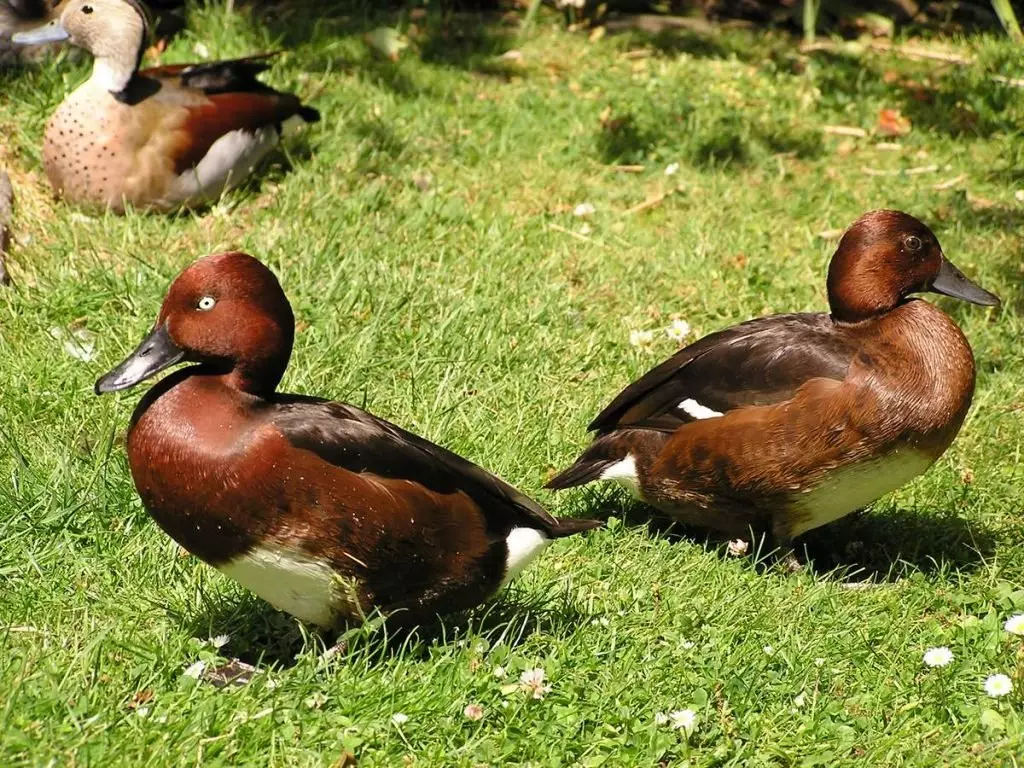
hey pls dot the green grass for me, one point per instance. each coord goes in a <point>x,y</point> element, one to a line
<point>467,313</point>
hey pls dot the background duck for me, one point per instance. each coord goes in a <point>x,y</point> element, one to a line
<point>157,138</point>
<point>792,421</point>
<point>322,509</point>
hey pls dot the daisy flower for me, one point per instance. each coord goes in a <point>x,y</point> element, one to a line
<point>998,685</point>
<point>642,339</point>
<point>678,330</point>
<point>683,720</point>
<point>1015,624</point>
<point>938,657</point>
<point>399,718</point>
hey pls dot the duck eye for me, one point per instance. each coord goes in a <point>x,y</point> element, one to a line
<point>913,243</point>
<point>86,9</point>
<point>206,303</point>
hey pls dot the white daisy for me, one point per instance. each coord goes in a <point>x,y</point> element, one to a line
<point>678,330</point>
<point>642,339</point>
<point>1015,624</point>
<point>672,169</point>
<point>399,718</point>
<point>584,209</point>
<point>938,657</point>
<point>220,641</point>
<point>683,719</point>
<point>998,685</point>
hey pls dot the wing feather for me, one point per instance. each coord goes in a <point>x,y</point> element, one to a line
<point>760,362</point>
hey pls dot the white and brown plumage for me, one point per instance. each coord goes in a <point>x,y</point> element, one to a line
<point>792,421</point>
<point>157,138</point>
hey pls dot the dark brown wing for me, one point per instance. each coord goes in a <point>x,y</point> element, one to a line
<point>759,362</point>
<point>235,100</point>
<point>217,76</point>
<point>353,439</point>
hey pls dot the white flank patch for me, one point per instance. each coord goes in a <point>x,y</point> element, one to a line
<point>289,580</point>
<point>523,544</point>
<point>851,488</point>
<point>228,161</point>
<point>691,407</point>
<point>624,473</point>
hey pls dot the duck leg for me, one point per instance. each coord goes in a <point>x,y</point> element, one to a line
<point>6,205</point>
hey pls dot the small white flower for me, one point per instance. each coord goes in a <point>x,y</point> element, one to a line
<point>672,169</point>
<point>532,683</point>
<point>142,711</point>
<point>399,718</point>
<point>819,662</point>
<point>799,701</point>
<point>200,50</point>
<point>660,718</point>
<point>271,684</point>
<point>473,712</point>
<point>998,685</point>
<point>678,330</point>
<point>195,671</point>
<point>1019,195</point>
<point>641,339</point>
<point>586,229</point>
<point>220,641</point>
<point>584,209</point>
<point>683,719</point>
<point>938,657</point>
<point>738,547</point>
<point>687,645</point>
<point>498,672</point>
<point>1015,624</point>
<point>768,650</point>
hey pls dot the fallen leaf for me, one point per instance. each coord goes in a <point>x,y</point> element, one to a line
<point>891,122</point>
<point>387,42</point>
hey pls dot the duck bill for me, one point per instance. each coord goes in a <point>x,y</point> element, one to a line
<point>51,32</point>
<point>156,352</point>
<point>951,282</point>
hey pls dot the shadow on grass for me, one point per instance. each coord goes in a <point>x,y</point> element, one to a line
<point>263,636</point>
<point>884,546</point>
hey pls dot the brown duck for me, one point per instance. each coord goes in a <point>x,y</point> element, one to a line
<point>157,138</point>
<point>790,422</point>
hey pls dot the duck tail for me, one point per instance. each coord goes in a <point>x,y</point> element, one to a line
<point>309,114</point>
<point>601,455</point>
<point>584,471</point>
<point>567,526</point>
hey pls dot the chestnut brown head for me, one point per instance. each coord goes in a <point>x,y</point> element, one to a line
<point>226,312</point>
<point>886,256</point>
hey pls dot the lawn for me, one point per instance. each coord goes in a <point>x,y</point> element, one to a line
<point>426,234</point>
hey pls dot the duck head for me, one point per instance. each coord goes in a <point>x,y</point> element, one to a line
<point>226,312</point>
<point>113,31</point>
<point>884,257</point>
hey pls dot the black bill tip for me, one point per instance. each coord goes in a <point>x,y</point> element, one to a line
<point>156,352</point>
<point>951,282</point>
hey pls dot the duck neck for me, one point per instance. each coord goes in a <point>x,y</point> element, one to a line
<point>113,73</point>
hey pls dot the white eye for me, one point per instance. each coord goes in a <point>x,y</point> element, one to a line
<point>206,303</point>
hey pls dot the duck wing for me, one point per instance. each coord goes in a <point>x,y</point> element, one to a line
<point>759,362</point>
<point>360,442</point>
